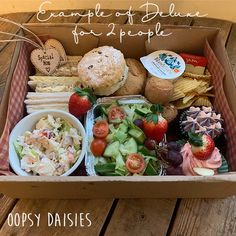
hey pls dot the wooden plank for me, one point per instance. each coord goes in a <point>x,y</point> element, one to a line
<point>141,217</point>
<point>10,28</point>
<point>59,19</point>
<point>112,18</point>
<point>206,217</point>
<point>6,205</point>
<point>224,25</point>
<point>231,49</point>
<point>97,209</point>
<point>163,20</point>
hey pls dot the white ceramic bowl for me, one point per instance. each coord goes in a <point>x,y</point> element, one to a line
<point>28,124</point>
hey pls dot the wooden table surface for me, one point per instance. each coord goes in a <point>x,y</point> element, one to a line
<point>121,216</point>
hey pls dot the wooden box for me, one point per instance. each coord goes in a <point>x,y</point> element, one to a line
<point>187,39</point>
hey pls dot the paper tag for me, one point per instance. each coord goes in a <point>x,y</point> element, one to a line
<point>46,61</point>
<point>53,43</point>
<point>164,64</point>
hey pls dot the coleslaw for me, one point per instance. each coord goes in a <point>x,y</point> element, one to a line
<point>50,149</point>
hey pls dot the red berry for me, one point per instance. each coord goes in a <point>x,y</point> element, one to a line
<point>202,146</point>
<point>80,102</point>
<point>150,144</point>
<point>155,130</point>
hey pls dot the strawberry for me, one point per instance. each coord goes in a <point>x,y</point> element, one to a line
<point>154,125</point>
<point>81,101</point>
<point>202,145</point>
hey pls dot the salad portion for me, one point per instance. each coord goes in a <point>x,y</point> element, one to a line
<point>125,139</point>
<point>50,149</point>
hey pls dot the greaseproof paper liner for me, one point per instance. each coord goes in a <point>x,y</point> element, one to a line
<point>222,106</point>
<point>15,111</point>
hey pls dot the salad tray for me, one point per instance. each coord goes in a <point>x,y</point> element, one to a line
<point>95,112</point>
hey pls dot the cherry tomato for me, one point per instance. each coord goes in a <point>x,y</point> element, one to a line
<point>98,146</point>
<point>135,163</point>
<point>116,114</point>
<point>101,129</point>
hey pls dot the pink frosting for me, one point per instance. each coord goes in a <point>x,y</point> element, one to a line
<point>190,162</point>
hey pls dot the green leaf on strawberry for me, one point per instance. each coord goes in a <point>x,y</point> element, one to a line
<point>86,92</point>
<point>157,108</point>
<point>154,125</point>
<point>195,139</point>
<point>152,118</point>
<point>202,146</point>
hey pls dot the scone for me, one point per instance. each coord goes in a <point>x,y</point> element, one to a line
<point>158,91</point>
<point>136,79</point>
<point>104,70</point>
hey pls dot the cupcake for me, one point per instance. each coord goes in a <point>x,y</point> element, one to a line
<point>201,120</point>
<point>224,168</point>
<point>190,162</point>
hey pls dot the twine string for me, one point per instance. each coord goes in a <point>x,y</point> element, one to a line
<point>24,28</point>
<point>22,38</point>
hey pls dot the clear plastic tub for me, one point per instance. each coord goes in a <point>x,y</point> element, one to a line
<point>94,113</point>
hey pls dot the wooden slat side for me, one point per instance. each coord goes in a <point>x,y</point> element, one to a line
<point>6,205</point>
<point>231,49</point>
<point>6,56</point>
<point>163,20</point>
<point>10,28</point>
<point>224,25</point>
<point>57,17</point>
<point>141,217</point>
<point>206,217</point>
<point>97,209</point>
<point>110,17</point>
<point>5,62</point>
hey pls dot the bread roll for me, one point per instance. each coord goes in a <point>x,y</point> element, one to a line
<point>170,112</point>
<point>103,69</point>
<point>136,79</point>
<point>158,91</point>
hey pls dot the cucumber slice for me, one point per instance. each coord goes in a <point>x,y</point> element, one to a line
<point>138,135</point>
<point>128,147</point>
<point>142,111</point>
<point>131,146</point>
<point>112,150</point>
